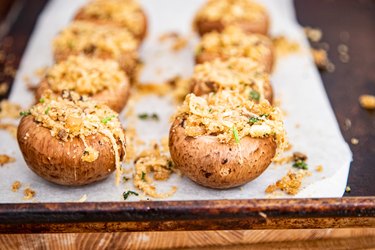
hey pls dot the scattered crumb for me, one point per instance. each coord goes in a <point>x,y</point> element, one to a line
<point>298,156</point>
<point>152,160</point>
<point>164,144</point>
<point>348,189</point>
<point>354,141</point>
<point>319,168</point>
<point>29,194</point>
<point>347,124</point>
<point>4,88</point>
<point>10,128</point>
<point>321,60</point>
<point>313,34</point>
<point>4,159</point>
<point>367,101</point>
<point>131,136</point>
<point>9,109</point>
<point>283,160</point>
<point>284,47</point>
<point>83,198</point>
<point>16,186</point>
<point>179,42</point>
<point>288,147</point>
<point>290,183</point>
<point>343,53</point>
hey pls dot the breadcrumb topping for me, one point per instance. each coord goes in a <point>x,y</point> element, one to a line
<point>367,101</point>
<point>4,159</point>
<point>28,194</point>
<point>72,115</point>
<point>103,41</point>
<point>86,76</point>
<point>233,42</point>
<point>229,116</point>
<point>16,186</point>
<point>284,46</point>
<point>242,74</point>
<point>124,13</point>
<point>153,160</point>
<point>231,11</point>
<point>290,183</point>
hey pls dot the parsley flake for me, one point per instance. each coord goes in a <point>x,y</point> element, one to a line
<point>235,134</point>
<point>107,119</point>
<point>126,194</point>
<point>254,95</point>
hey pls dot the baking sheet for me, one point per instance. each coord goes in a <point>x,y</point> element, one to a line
<point>295,79</point>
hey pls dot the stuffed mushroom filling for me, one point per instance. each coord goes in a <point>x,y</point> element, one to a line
<point>230,11</point>
<point>127,14</point>
<point>95,40</point>
<point>71,115</point>
<point>233,42</point>
<point>84,75</point>
<point>242,74</point>
<point>229,117</point>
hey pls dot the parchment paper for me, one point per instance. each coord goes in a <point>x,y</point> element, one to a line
<point>295,80</point>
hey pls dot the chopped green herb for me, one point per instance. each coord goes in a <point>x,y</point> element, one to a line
<point>41,100</point>
<point>25,113</point>
<point>107,119</point>
<point>126,194</point>
<point>170,164</point>
<point>143,176</point>
<point>125,179</point>
<point>301,165</point>
<point>235,134</point>
<point>47,110</point>
<point>265,115</point>
<point>209,110</point>
<point>254,95</point>
<point>253,120</point>
<point>145,116</point>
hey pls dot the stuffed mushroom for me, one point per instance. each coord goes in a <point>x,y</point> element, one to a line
<point>100,41</point>
<point>247,15</point>
<point>102,80</point>
<point>242,74</point>
<point>120,13</point>
<point>224,140</point>
<point>71,141</point>
<point>233,42</point>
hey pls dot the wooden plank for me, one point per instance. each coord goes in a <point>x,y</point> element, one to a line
<point>363,238</point>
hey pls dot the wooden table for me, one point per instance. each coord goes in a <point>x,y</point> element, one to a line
<point>349,22</point>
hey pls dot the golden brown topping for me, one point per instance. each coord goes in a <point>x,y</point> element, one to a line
<point>16,186</point>
<point>230,117</point>
<point>243,74</point>
<point>284,46</point>
<point>230,11</point>
<point>4,159</point>
<point>319,168</point>
<point>313,34</point>
<point>29,194</point>
<point>233,42</point>
<point>86,76</point>
<point>125,13</point>
<point>4,88</point>
<point>94,40</point>
<point>290,183</point>
<point>354,141</point>
<point>367,101</point>
<point>9,109</point>
<point>153,160</point>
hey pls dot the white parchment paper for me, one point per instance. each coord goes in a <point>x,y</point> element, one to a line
<point>295,80</point>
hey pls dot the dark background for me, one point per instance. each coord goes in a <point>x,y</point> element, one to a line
<point>343,86</point>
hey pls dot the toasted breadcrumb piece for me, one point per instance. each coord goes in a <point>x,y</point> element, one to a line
<point>283,160</point>
<point>367,101</point>
<point>179,43</point>
<point>9,109</point>
<point>354,141</point>
<point>290,183</point>
<point>16,186</point>
<point>11,128</point>
<point>153,160</point>
<point>313,34</point>
<point>319,168</point>
<point>28,194</point>
<point>4,159</point>
<point>284,46</point>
